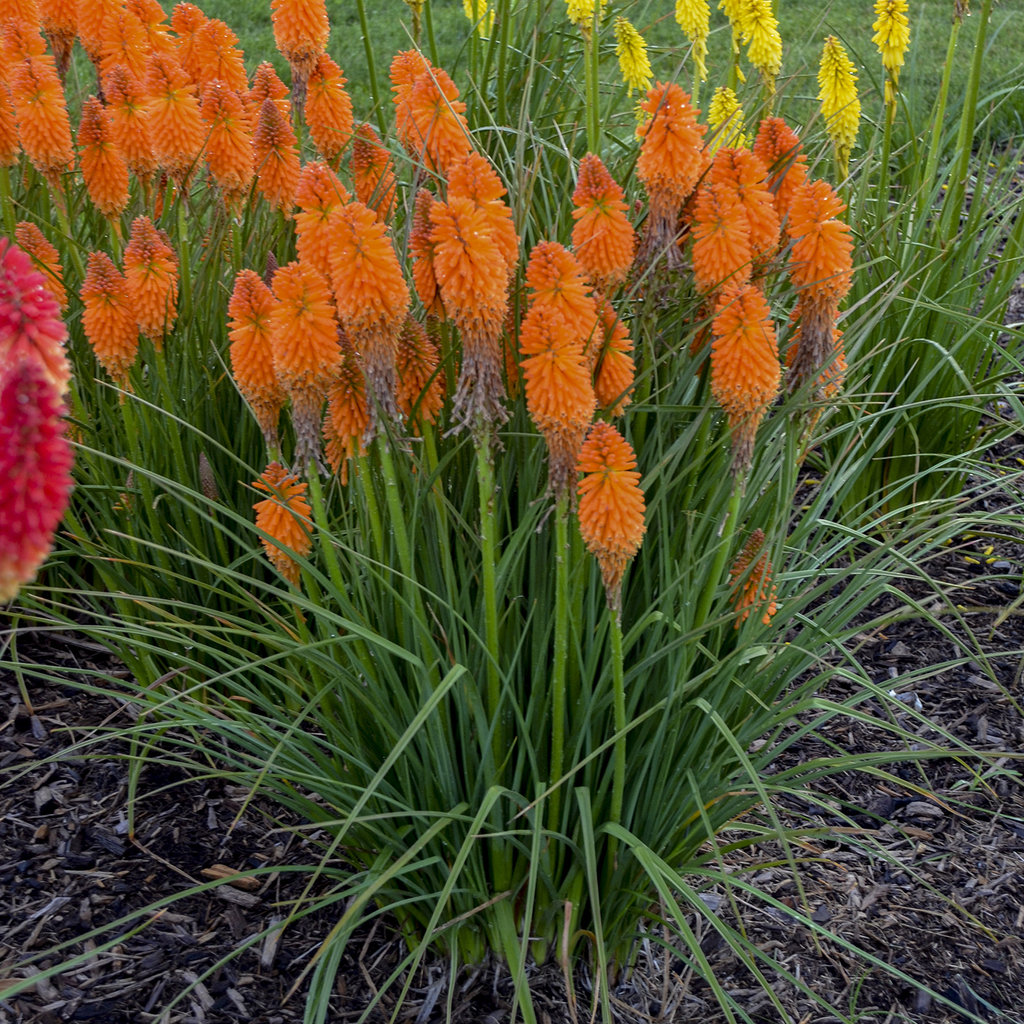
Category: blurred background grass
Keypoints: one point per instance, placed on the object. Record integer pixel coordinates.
(803, 24)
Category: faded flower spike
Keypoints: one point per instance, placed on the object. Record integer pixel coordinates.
(892, 37)
(611, 506)
(840, 106)
(751, 579)
(285, 517)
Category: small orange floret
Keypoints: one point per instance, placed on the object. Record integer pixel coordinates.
(107, 316)
(285, 517)
(348, 414)
(421, 385)
(276, 157)
(373, 172)
(266, 85)
(614, 369)
(611, 506)
(103, 167)
(151, 271)
(252, 361)
(751, 579)
(421, 249)
(603, 238)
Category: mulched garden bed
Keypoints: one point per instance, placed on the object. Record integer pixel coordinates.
(941, 899)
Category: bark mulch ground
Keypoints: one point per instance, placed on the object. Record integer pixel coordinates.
(941, 898)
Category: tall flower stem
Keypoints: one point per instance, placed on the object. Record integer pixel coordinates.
(365, 474)
(938, 123)
(619, 754)
(371, 64)
(316, 500)
(591, 53)
(7, 202)
(726, 532)
(560, 656)
(484, 443)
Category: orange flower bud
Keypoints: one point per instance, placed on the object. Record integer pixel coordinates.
(614, 369)
(174, 119)
(421, 384)
(319, 196)
(438, 133)
(328, 109)
(218, 58)
(276, 157)
(611, 506)
(285, 517)
(229, 148)
(348, 414)
(751, 579)
(603, 238)
(42, 117)
(107, 317)
(373, 172)
(103, 167)
(129, 123)
(778, 148)
(151, 272)
(721, 239)
(45, 257)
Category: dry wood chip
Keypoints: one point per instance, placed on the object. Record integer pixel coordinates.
(231, 876)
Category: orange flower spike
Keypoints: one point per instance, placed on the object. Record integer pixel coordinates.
(421, 385)
(372, 299)
(45, 257)
(267, 86)
(611, 506)
(301, 31)
(465, 257)
(124, 41)
(59, 22)
(252, 362)
(229, 150)
(348, 414)
(104, 169)
(778, 148)
(822, 256)
(107, 317)
(42, 116)
(21, 40)
(473, 177)
(319, 195)
(154, 23)
(614, 369)
(174, 117)
(559, 394)
(285, 517)
(406, 67)
(151, 271)
(603, 237)
(276, 156)
(721, 233)
(745, 173)
(421, 249)
(10, 146)
(752, 588)
(328, 109)
(186, 20)
(745, 367)
(129, 124)
(306, 354)
(217, 57)
(439, 132)
(556, 280)
(92, 16)
(373, 172)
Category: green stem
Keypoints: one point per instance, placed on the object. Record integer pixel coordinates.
(371, 64)
(316, 499)
(484, 443)
(591, 52)
(7, 203)
(938, 124)
(428, 19)
(185, 256)
(560, 656)
(721, 553)
(968, 116)
(365, 475)
(883, 179)
(619, 757)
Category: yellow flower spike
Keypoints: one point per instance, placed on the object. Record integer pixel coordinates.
(694, 18)
(759, 32)
(837, 82)
(725, 116)
(481, 14)
(581, 12)
(892, 37)
(631, 50)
